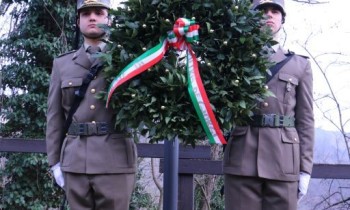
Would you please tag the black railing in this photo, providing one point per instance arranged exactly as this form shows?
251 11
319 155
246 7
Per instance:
192 161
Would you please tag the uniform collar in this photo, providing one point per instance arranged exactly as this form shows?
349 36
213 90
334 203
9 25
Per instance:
80 57
102 46
278 55
275 47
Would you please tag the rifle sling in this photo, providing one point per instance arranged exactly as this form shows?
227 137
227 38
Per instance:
79 95
274 69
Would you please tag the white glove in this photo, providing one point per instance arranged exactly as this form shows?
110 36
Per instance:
304 180
57 173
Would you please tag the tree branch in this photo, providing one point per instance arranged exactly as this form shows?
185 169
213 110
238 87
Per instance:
311 1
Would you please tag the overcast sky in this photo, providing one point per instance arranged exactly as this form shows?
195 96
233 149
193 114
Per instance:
327 28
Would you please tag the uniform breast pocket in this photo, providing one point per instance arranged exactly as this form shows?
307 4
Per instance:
68 87
286 89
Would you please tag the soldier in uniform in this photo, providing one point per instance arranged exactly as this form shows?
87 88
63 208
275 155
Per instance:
92 162
268 162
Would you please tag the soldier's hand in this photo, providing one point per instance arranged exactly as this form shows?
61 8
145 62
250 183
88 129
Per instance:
304 180
57 173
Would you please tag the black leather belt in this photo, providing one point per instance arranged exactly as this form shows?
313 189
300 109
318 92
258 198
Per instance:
90 129
272 120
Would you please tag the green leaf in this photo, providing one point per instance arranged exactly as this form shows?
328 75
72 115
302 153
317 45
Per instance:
132 25
208 26
221 57
167 119
242 40
242 104
164 80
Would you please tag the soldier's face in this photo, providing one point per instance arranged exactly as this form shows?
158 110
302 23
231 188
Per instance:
274 18
88 20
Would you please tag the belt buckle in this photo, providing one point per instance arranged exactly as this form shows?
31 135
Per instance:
92 129
268 120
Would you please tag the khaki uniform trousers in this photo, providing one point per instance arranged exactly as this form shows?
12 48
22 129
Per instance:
254 193
99 192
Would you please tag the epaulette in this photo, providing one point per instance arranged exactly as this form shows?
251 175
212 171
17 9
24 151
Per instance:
293 53
66 53
289 53
304 56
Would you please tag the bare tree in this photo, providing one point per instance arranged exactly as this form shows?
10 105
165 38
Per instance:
158 184
207 183
339 122
330 103
333 112
312 1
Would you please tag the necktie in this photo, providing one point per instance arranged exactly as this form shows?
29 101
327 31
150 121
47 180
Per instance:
93 50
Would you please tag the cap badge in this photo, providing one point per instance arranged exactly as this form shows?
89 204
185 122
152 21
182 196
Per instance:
89 1
265 1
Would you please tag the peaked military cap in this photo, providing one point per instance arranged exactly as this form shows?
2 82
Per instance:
258 4
93 3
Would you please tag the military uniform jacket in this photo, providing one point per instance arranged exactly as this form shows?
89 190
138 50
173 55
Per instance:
102 154
278 153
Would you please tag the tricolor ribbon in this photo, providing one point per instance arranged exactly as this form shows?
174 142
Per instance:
184 32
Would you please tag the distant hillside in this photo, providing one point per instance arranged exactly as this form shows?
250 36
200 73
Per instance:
329 147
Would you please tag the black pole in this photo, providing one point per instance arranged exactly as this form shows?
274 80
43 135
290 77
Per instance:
171 171
77 30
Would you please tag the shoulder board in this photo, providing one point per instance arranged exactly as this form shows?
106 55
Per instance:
289 53
304 56
63 54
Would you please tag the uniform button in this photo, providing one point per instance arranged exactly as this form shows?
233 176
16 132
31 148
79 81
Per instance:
266 87
290 79
93 122
93 90
295 139
92 107
265 104
70 83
